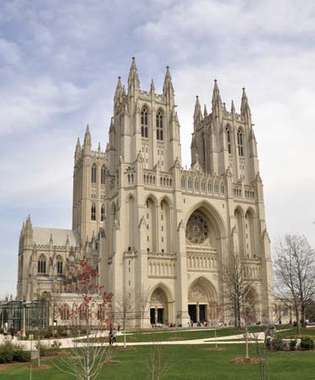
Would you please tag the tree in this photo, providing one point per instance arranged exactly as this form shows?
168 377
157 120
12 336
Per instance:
238 291
295 274
93 315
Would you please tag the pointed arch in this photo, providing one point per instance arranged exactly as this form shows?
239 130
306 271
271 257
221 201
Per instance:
94 173
103 213
93 212
42 264
240 142
59 265
103 174
228 138
144 120
160 125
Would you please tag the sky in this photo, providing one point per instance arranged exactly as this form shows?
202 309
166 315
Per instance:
59 63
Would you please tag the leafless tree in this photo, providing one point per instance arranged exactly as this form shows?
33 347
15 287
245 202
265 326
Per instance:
93 316
294 266
158 364
238 291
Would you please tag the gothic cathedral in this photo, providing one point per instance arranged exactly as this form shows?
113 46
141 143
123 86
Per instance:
160 235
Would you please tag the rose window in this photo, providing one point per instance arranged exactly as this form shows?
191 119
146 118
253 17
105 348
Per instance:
197 229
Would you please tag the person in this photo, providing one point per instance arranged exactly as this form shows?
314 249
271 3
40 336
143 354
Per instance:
110 336
114 339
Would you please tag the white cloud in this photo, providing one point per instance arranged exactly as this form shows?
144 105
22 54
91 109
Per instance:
60 64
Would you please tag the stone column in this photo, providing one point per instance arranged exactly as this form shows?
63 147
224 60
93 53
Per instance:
198 312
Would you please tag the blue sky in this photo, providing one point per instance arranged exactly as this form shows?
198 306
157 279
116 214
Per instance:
59 62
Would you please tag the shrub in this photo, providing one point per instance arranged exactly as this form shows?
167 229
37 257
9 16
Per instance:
307 343
277 344
292 344
10 352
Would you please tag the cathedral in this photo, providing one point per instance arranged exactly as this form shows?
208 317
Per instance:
160 235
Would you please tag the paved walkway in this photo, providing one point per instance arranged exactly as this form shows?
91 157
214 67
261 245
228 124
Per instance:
70 342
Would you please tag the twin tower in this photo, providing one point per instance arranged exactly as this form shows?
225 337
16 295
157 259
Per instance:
162 235
165 233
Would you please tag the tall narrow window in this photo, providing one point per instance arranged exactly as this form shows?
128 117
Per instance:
93 173
41 265
93 212
102 213
159 125
59 265
228 140
144 122
240 142
103 173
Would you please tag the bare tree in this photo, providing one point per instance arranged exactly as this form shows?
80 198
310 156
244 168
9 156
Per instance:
92 315
295 274
238 291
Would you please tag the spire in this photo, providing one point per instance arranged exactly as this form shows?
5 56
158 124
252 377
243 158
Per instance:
232 108
152 87
99 147
216 99
245 109
77 150
87 139
28 227
133 78
197 112
168 89
119 88
205 112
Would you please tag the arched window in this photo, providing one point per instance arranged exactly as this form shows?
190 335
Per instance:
84 312
144 122
41 265
102 213
103 173
93 173
93 212
65 312
240 142
159 125
228 139
59 265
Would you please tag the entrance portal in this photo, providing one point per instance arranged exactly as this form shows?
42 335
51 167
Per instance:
158 308
202 301
192 311
197 313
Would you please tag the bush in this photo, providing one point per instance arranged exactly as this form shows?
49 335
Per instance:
292 344
13 353
307 343
277 344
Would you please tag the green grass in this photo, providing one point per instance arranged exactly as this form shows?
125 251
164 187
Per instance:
292 333
174 335
186 363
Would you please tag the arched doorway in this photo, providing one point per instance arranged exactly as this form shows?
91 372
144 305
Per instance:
202 301
158 307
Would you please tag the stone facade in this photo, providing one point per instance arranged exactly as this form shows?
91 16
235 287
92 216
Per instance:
161 234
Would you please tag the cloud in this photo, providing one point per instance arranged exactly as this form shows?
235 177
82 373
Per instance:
58 67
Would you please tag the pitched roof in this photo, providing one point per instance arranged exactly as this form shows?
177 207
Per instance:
42 236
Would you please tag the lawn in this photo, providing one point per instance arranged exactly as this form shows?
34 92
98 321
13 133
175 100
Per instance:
291 333
185 363
173 335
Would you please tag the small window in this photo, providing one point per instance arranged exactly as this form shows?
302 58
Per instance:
103 173
59 266
240 142
65 312
144 122
102 213
159 126
93 173
41 265
93 212
228 140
